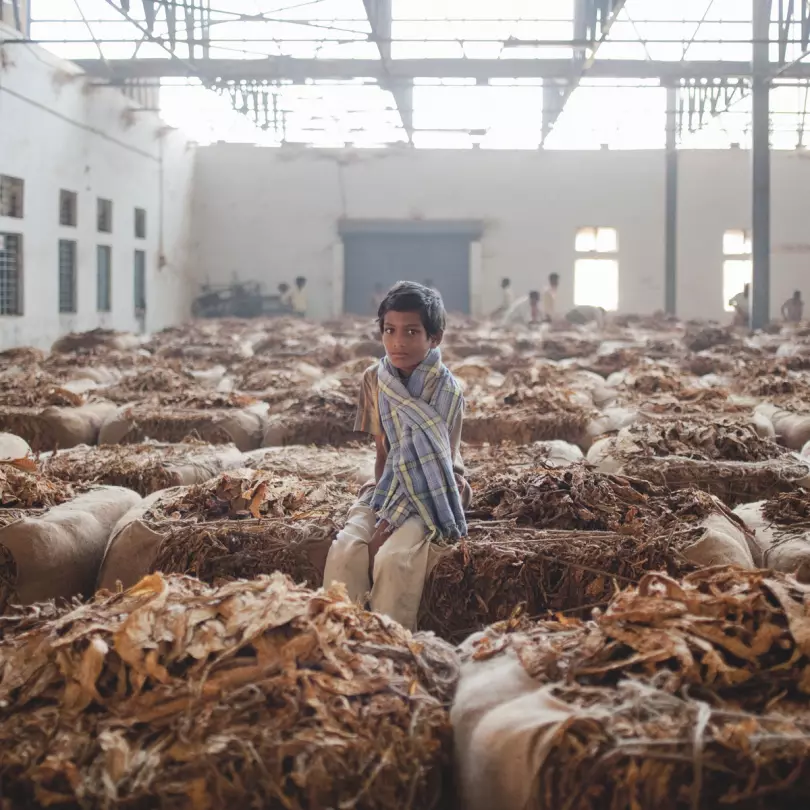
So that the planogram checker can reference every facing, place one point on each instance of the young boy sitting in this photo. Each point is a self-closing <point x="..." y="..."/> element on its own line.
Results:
<point x="414" y="408"/>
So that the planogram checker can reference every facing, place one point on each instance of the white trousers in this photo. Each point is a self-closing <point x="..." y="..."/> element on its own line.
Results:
<point x="400" y="566"/>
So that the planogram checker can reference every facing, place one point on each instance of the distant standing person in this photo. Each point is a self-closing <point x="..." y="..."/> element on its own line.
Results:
<point x="299" y="297"/>
<point x="550" y="298"/>
<point x="506" y="298"/>
<point x="740" y="303"/>
<point x="285" y="296"/>
<point x="793" y="308"/>
<point x="525" y="310"/>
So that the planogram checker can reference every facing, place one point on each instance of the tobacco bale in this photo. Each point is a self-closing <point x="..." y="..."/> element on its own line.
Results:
<point x="22" y="356"/>
<point x="172" y="425"/>
<point x="697" y="438"/>
<point x="580" y="499"/>
<point x="76" y="342"/>
<point x="351" y="464"/>
<point x="245" y="549"/>
<point x="705" y="363"/>
<point x="563" y="347"/>
<point x="789" y="509"/>
<point x="498" y="568"/>
<point x="178" y="692"/>
<point x="325" y="418"/>
<point x="487" y="461"/>
<point x="245" y="493"/>
<point x="152" y="380"/>
<point x="526" y="426"/>
<point x="28" y="424"/>
<point x="23" y="487"/>
<point x="35" y="389"/>
<point x="699" y="338"/>
<point x="644" y="748"/>
<point x="145" y="468"/>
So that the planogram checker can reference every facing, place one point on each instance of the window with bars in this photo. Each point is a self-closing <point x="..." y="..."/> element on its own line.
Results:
<point x="11" y="274"/>
<point x="140" y="223"/>
<point x="738" y="265"/>
<point x="140" y="282"/>
<point x="68" y="208"/>
<point x="68" y="299"/>
<point x="596" y="268"/>
<point x="105" y="215"/>
<point x="104" y="278"/>
<point x="12" y="190"/>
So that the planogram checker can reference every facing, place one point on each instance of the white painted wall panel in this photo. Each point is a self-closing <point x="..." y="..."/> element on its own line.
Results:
<point x="270" y="214"/>
<point x="60" y="132"/>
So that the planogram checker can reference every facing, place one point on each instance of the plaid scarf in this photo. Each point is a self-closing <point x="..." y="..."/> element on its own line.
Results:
<point x="418" y="478"/>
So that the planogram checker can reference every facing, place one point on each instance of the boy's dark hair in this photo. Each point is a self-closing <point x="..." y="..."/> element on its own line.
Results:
<point x="554" y="279"/>
<point x="408" y="296"/>
<point x="507" y="282"/>
<point x="534" y="296"/>
<point x="300" y="282"/>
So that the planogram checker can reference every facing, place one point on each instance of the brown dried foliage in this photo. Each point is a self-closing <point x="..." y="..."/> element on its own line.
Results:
<point x="683" y="694"/>
<point x="702" y="439"/>
<point x="179" y="695"/>
<point x="500" y="567"/>
<point x="145" y="468"/>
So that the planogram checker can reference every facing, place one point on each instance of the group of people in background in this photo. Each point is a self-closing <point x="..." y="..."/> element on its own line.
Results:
<point x="792" y="310"/>
<point x="538" y="308"/>
<point x="294" y="299"/>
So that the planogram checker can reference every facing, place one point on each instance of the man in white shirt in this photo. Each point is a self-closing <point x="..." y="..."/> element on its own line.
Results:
<point x="740" y="304"/>
<point x="524" y="311"/>
<point x="299" y="297"/>
<point x="550" y="298"/>
<point x="506" y="298"/>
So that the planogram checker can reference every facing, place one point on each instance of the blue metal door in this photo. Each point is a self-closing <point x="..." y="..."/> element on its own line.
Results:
<point x="385" y="258"/>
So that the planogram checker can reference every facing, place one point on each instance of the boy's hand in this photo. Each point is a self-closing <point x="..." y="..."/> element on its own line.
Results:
<point x="382" y="533"/>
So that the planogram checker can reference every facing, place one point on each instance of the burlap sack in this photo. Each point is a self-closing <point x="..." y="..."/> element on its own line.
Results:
<point x="612" y="420"/>
<point x="132" y="546"/>
<point x="58" y="554"/>
<point x="781" y="550"/>
<point x="763" y="426"/>
<point x="792" y="429"/>
<point x="504" y="727"/>
<point x="559" y="453"/>
<point x="203" y="466"/>
<point x="13" y="448"/>
<point x="724" y="542"/>
<point x="69" y="427"/>
<point x="245" y="427"/>
<point x="242" y="427"/>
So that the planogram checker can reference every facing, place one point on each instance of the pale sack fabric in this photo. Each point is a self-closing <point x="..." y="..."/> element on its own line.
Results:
<point x="400" y="566"/>
<point x="504" y="726"/>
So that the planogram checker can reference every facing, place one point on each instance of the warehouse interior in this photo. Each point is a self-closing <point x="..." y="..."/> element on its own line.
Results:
<point x="404" y="404"/>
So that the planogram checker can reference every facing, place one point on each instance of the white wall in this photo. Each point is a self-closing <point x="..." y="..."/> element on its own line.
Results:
<point x="271" y="214"/>
<point x="60" y="132"/>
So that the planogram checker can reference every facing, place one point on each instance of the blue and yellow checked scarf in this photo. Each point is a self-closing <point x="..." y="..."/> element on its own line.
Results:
<point x="418" y="477"/>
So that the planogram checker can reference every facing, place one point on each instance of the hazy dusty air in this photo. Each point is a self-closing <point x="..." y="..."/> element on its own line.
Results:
<point x="404" y="404"/>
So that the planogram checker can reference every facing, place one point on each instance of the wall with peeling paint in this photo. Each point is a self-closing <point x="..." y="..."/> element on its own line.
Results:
<point x="272" y="214"/>
<point x="58" y="131"/>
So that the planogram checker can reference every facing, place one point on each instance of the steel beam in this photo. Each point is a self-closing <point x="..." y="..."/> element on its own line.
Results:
<point x="287" y="68"/>
<point x="380" y="19"/>
<point x="593" y="20"/>
<point x="761" y="167"/>
<point x="671" y="206"/>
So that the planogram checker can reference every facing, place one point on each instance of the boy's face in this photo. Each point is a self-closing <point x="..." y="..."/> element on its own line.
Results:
<point x="405" y="340"/>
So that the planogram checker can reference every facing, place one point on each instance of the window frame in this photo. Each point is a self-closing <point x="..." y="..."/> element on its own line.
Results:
<point x="71" y="197"/>
<point x="12" y="190"/>
<point x="139" y="284"/>
<point x="736" y="257"/>
<point x="595" y="255"/>
<point x="72" y="307"/>
<point x="104" y="290"/>
<point x="140" y="223"/>
<point x="19" y="308"/>
<point x="104" y="215"/>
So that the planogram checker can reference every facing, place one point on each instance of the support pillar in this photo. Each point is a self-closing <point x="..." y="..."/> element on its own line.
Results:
<point x="761" y="167"/>
<point x="671" y="206"/>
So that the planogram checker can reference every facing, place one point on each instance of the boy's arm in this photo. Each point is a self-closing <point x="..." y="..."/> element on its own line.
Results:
<point x="382" y="457"/>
